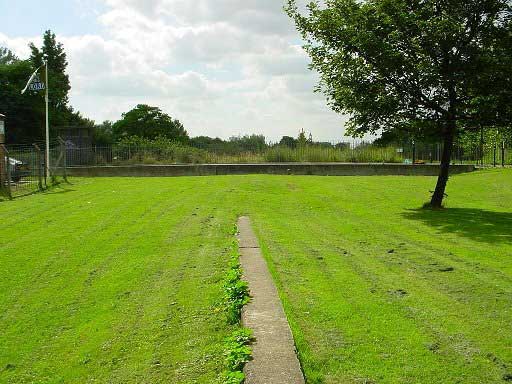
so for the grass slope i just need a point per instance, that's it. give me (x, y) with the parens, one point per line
(117, 280)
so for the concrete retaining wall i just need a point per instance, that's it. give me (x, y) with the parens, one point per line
(320, 169)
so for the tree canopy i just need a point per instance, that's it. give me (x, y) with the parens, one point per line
(149, 122)
(53, 51)
(288, 141)
(7, 57)
(422, 66)
(24, 113)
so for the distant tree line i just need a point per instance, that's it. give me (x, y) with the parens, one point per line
(150, 124)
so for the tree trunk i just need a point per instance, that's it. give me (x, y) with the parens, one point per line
(442, 180)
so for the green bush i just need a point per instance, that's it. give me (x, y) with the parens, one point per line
(137, 150)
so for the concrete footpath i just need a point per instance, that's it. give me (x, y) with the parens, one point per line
(273, 352)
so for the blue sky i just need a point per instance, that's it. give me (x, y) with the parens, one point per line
(222, 67)
(30, 17)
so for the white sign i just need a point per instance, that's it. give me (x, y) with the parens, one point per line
(2, 127)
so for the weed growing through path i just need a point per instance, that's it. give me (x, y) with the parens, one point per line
(236, 292)
(236, 295)
(237, 355)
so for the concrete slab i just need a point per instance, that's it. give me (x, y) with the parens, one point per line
(274, 357)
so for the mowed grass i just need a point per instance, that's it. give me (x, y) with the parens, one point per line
(114, 281)
(118, 280)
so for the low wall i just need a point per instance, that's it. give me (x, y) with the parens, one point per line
(320, 169)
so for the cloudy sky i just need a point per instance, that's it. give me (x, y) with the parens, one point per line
(223, 67)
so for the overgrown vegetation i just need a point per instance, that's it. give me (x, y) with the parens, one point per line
(236, 290)
(137, 150)
(311, 153)
(237, 353)
(236, 295)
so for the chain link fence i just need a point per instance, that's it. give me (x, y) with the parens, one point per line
(24, 169)
(24, 172)
(125, 155)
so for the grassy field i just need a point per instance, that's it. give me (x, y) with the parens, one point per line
(114, 281)
(119, 280)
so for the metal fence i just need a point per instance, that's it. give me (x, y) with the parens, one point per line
(147, 155)
(24, 169)
(124, 155)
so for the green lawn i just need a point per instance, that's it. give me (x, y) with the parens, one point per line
(118, 280)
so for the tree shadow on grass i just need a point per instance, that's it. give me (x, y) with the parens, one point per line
(58, 191)
(53, 190)
(478, 224)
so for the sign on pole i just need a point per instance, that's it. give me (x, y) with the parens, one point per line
(36, 84)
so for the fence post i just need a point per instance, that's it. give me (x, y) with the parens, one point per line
(3, 164)
(45, 172)
(8, 171)
(503, 153)
(3, 153)
(39, 167)
(63, 154)
(482, 149)
(413, 152)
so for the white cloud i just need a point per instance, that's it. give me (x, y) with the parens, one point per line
(19, 45)
(223, 67)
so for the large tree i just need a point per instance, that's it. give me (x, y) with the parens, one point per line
(288, 141)
(24, 113)
(59, 85)
(149, 122)
(425, 66)
(247, 143)
(103, 134)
